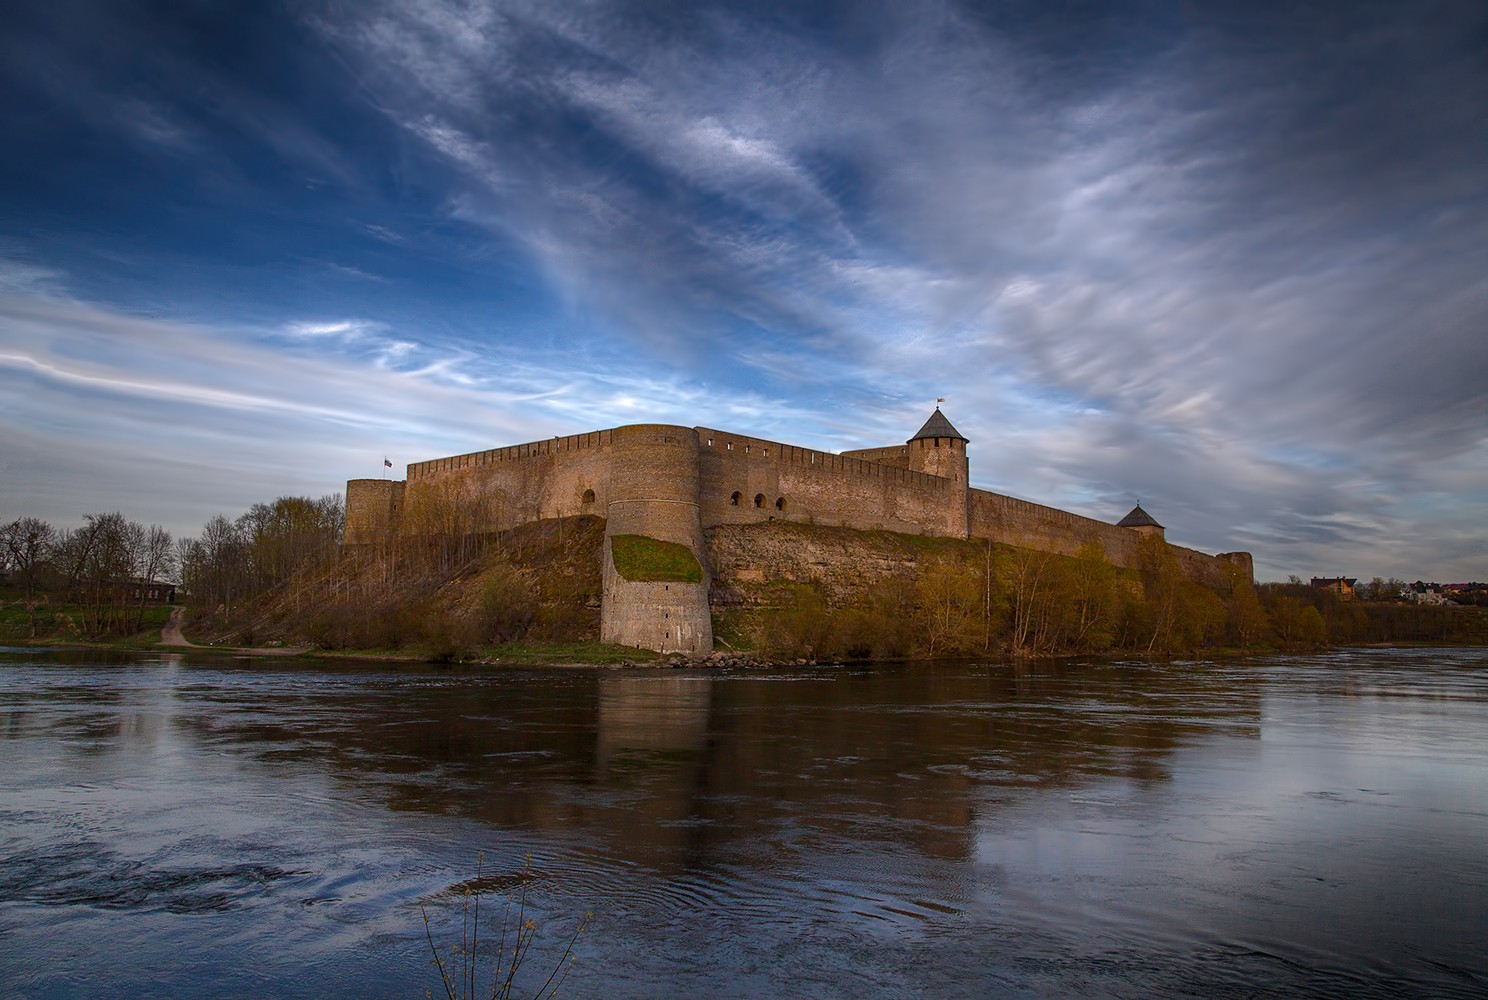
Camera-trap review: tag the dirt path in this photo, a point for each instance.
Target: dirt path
(171, 635)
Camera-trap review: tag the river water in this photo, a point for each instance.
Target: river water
(1285, 826)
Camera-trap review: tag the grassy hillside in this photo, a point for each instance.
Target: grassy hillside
(640, 558)
(539, 583)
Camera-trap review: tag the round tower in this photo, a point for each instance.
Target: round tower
(940, 450)
(654, 596)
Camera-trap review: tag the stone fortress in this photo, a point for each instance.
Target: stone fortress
(674, 483)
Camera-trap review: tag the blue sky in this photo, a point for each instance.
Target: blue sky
(1231, 259)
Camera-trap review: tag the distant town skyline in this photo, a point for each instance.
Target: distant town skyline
(1228, 259)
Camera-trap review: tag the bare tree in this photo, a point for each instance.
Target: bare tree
(99, 559)
(182, 557)
(27, 542)
(159, 558)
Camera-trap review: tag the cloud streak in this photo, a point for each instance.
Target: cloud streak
(1230, 263)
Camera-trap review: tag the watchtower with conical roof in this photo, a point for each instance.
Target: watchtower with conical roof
(1141, 522)
(940, 450)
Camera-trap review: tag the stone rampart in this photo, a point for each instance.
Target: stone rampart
(504, 487)
(1033, 526)
(746, 480)
(1047, 529)
(671, 483)
(895, 455)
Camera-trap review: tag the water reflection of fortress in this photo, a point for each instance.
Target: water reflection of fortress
(676, 484)
(668, 770)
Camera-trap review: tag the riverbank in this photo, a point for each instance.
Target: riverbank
(178, 629)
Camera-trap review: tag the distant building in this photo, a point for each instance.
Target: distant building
(1425, 593)
(1343, 586)
(149, 591)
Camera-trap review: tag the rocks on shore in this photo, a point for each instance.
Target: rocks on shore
(718, 658)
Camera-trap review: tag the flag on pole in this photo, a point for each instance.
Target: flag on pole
(941, 399)
(387, 463)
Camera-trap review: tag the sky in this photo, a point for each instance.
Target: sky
(1230, 260)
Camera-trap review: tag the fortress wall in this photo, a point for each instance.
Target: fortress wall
(1048, 529)
(821, 488)
(670, 482)
(557, 446)
(896, 455)
(505, 487)
(1214, 570)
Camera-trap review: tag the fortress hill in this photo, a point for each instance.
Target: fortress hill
(682, 485)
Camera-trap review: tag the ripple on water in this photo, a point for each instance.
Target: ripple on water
(1307, 826)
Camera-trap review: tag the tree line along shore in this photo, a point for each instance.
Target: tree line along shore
(280, 575)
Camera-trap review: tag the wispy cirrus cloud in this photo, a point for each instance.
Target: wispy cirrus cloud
(1230, 264)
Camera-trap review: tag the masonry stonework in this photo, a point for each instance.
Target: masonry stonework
(653, 490)
(676, 483)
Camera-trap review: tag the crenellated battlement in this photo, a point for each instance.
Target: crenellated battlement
(511, 453)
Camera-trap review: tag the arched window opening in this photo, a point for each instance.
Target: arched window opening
(588, 496)
(759, 499)
(780, 503)
(734, 500)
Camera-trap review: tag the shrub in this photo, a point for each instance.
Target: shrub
(508, 604)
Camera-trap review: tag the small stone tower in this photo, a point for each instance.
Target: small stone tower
(373, 507)
(1141, 521)
(940, 450)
